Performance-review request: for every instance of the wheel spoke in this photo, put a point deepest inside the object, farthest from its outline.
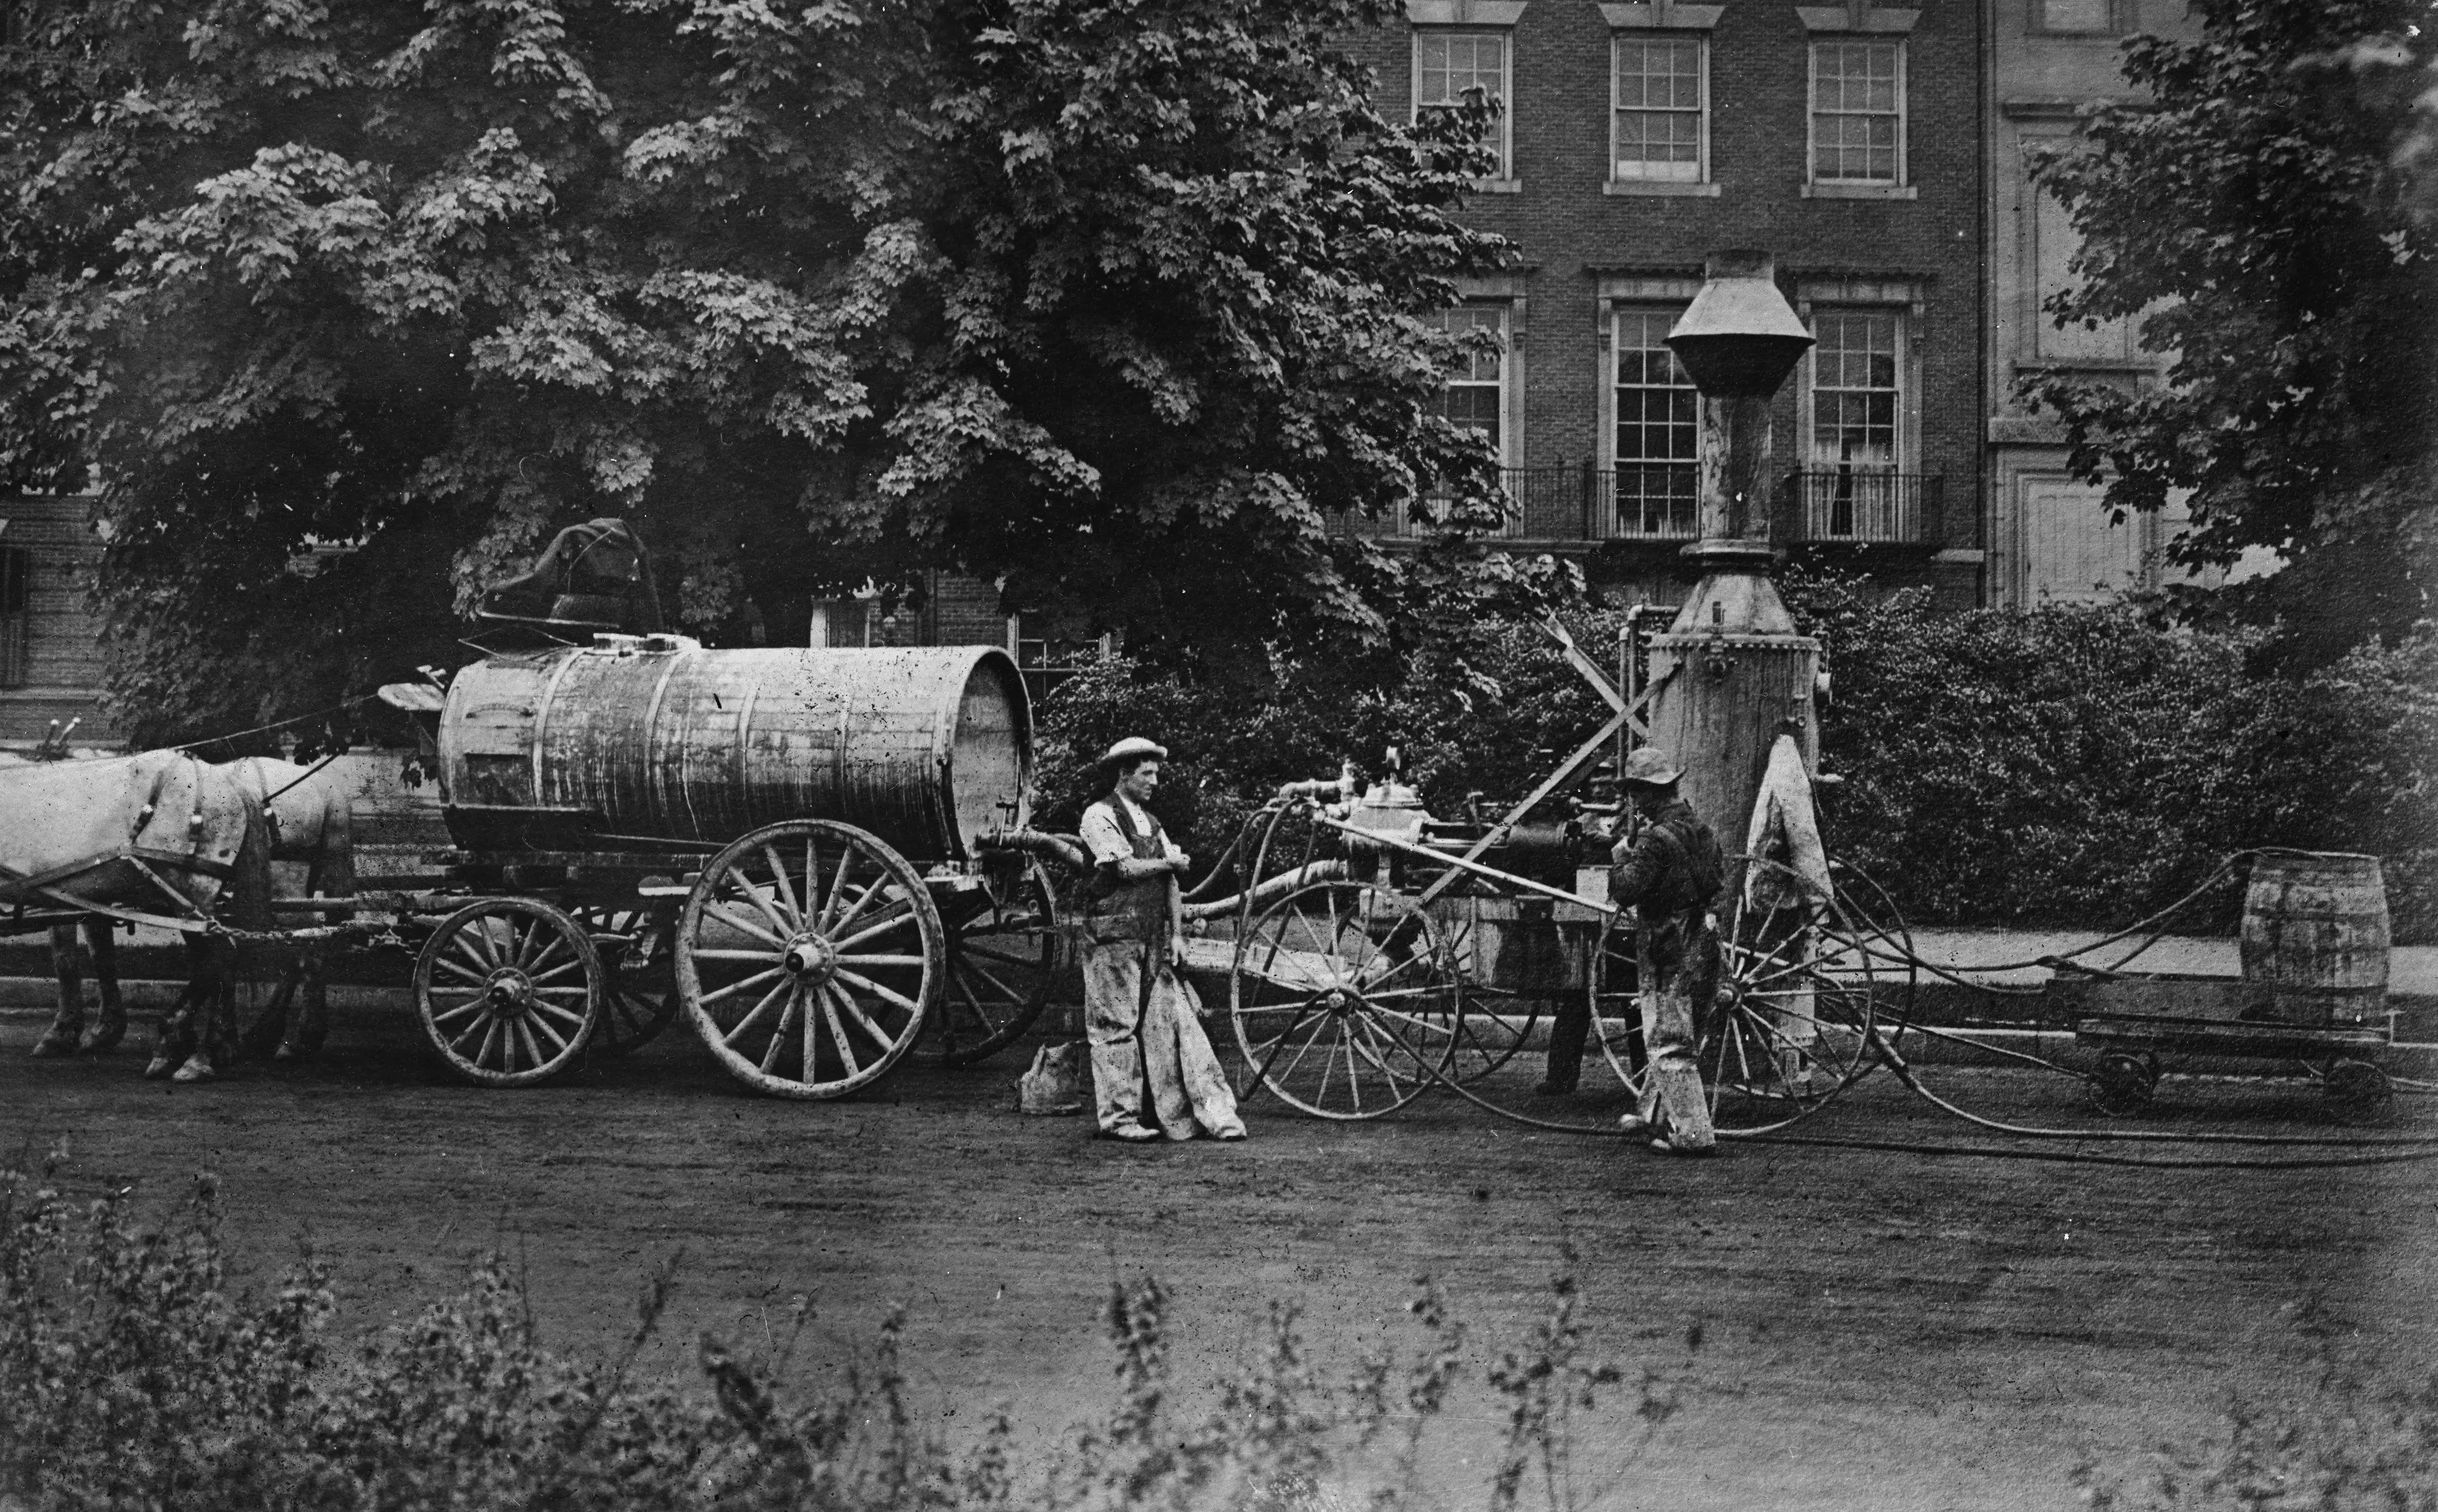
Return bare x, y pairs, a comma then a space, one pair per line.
881, 961
837, 888
754, 980
976, 969
868, 931
480, 981
779, 1035
470, 1005
539, 978
705, 953
738, 875
786, 888
1027, 962
744, 926
890, 993
732, 1036
837, 1035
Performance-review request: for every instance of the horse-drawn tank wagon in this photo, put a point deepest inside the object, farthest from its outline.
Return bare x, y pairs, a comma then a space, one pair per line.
787, 846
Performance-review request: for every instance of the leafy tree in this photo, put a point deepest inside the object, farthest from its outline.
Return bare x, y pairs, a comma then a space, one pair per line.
2267, 215
1115, 302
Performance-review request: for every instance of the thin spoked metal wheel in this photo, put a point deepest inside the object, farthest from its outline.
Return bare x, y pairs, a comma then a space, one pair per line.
1794, 1017
508, 989
1000, 961
639, 998
809, 956
1343, 1000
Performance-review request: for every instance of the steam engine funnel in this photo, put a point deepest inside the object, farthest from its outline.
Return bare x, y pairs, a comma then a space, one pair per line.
1739, 337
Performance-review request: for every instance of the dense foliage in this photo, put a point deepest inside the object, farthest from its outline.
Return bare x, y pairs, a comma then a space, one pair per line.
1113, 302
2077, 765
133, 1376
2268, 215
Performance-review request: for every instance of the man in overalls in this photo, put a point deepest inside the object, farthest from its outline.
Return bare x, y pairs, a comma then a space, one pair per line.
1670, 873
1139, 1011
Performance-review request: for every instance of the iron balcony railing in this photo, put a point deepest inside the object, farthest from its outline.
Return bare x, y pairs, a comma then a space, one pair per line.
1847, 503
1657, 501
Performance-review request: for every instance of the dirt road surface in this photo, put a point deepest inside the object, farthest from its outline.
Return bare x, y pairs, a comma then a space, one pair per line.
1878, 1329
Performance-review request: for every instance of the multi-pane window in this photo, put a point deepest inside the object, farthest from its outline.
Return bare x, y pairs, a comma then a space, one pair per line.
1478, 375
1659, 108
1854, 490
1658, 429
16, 595
1448, 64
1857, 112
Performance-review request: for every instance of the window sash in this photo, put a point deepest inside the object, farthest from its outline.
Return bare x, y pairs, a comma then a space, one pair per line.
1659, 108
1655, 440
1476, 389
1446, 63
1857, 112
1857, 391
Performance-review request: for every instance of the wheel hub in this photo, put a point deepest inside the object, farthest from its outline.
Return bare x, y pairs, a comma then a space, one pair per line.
511, 993
810, 959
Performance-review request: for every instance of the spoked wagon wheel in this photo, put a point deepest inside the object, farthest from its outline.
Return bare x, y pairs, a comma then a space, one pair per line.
807, 956
1796, 1008
999, 964
508, 989
638, 998
1343, 1000
1791, 1024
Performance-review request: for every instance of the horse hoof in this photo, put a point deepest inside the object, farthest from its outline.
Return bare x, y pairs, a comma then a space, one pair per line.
157, 1068
51, 1047
287, 1052
196, 1069
102, 1042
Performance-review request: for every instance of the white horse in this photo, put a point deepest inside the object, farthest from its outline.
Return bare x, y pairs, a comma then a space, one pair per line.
158, 834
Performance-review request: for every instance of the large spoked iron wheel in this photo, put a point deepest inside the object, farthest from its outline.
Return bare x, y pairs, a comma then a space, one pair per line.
807, 956
1000, 961
1344, 1002
508, 989
639, 998
1791, 1022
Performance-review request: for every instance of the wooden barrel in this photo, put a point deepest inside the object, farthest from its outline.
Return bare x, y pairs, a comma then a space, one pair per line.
2315, 933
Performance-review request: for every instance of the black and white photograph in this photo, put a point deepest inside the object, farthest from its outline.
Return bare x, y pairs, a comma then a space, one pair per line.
1218, 755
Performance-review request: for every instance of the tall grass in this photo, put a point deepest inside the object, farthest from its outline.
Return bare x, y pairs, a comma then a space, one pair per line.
133, 1376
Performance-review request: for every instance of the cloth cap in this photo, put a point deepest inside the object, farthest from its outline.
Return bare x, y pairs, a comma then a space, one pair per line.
1645, 765
1132, 748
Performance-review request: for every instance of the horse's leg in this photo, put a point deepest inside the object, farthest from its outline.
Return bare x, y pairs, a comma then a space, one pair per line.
215, 996
112, 1027
67, 967
173, 1036
313, 1022
272, 1023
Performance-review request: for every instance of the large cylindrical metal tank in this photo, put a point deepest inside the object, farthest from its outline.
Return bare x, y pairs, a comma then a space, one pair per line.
928, 747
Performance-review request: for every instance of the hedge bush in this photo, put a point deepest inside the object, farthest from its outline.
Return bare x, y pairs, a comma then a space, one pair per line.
2072, 766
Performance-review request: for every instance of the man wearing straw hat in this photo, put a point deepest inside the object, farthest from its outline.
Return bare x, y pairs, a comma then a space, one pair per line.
1670, 873
1139, 1011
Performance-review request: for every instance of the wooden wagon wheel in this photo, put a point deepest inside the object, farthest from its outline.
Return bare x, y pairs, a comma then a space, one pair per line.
1001, 962
509, 989
639, 999
1792, 1022
1343, 1000
807, 958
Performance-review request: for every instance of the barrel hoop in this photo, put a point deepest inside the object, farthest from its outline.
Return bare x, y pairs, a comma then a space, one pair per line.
653, 743
744, 758
541, 721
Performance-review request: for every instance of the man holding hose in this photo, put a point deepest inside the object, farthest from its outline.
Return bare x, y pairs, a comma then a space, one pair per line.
1139, 1011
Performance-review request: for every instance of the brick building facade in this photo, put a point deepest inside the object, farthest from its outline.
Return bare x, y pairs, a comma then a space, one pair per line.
1844, 140
50, 650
